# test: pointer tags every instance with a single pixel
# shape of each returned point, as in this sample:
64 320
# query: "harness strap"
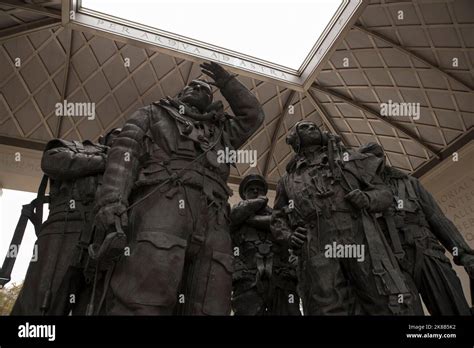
394 236
33 212
40 200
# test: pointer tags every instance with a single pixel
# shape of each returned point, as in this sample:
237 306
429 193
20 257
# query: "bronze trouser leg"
330 286
416 301
441 288
249 302
324 289
150 281
42 271
437 282
322 285
146 282
363 281
282 304
212 272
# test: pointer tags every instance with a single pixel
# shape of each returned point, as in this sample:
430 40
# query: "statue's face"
112 136
254 190
196 95
309 134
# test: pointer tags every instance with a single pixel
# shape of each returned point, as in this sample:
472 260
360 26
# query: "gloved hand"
105 218
254 204
358 199
297 239
262 199
217 73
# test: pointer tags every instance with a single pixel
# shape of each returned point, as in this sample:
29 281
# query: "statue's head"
253 186
109 137
304 134
197 93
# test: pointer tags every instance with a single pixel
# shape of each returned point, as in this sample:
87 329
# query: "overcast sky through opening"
281 32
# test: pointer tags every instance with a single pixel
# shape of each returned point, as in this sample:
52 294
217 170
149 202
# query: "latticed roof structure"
427 58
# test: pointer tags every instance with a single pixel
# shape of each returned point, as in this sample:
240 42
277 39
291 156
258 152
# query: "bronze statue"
264 279
164 183
74 170
419 234
324 209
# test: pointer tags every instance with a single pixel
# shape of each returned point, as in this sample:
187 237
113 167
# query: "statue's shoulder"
354 161
90 146
284 182
363 159
363 165
162 109
158 104
395 173
58 143
163 104
141 118
74 146
356 156
291 166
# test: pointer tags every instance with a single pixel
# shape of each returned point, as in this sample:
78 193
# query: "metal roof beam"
20 5
405 51
49 12
27 28
374 113
66 77
22 142
283 113
453 147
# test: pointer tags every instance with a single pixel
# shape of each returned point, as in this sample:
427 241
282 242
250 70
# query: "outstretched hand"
217 73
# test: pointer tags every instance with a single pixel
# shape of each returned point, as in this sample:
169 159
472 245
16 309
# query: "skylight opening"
277 31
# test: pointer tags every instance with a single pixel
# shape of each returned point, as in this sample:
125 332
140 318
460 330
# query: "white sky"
11 202
279 31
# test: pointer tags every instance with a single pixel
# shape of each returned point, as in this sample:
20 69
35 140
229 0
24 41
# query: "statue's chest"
316 189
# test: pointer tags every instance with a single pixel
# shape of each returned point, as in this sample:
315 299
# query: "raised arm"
261 222
245 106
62 161
243 210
